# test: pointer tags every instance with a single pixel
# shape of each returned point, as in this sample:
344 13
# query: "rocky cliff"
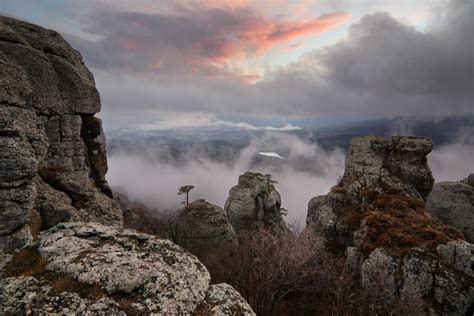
376 218
52 160
254 202
62 249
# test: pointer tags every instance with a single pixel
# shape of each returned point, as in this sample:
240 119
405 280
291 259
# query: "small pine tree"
185 189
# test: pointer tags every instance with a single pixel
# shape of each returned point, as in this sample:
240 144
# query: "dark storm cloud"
383 68
387 68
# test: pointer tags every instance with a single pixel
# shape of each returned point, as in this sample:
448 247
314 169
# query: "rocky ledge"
88 267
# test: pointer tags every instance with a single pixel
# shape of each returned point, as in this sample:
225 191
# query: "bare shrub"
268 268
289 275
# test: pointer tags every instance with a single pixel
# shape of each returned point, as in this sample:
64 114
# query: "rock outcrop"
254 202
376 218
52 148
398 163
52 178
453 204
88 267
204 230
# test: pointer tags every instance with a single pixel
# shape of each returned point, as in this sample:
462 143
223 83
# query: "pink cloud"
257 35
206 41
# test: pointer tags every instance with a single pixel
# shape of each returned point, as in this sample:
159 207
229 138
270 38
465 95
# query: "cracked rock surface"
52 148
253 203
113 265
375 217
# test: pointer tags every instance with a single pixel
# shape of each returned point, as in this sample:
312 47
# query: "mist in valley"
307 171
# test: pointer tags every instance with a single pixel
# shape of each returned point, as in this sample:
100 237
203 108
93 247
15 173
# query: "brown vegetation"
35 224
338 189
288 275
399 223
26 262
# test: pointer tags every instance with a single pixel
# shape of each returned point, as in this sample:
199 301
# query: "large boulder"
375 217
204 229
253 203
87 267
453 204
52 148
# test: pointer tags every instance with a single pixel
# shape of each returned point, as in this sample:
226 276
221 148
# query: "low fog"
155 183
307 171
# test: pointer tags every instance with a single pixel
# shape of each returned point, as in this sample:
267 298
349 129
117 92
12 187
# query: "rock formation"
204 230
89 267
52 176
52 159
254 202
375 217
453 204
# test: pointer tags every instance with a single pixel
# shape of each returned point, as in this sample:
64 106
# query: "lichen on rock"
154 274
376 218
48 135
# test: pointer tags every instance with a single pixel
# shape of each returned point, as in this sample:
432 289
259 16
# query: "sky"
272 61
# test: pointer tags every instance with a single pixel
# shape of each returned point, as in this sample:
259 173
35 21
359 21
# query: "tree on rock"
185 189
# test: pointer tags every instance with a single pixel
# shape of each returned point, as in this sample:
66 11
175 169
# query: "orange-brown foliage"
399 223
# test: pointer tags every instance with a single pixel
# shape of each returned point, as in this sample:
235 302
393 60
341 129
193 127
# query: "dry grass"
65 283
338 189
26 262
399 223
35 224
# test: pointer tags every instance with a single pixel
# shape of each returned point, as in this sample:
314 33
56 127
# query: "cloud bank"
308 171
204 121
383 68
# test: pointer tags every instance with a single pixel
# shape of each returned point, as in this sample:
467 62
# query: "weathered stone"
453 203
206 232
47 102
223 299
399 163
254 202
157 275
376 217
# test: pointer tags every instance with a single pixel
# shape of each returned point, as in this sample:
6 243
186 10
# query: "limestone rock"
419 275
398 163
254 202
453 203
376 218
52 148
152 274
223 299
205 231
